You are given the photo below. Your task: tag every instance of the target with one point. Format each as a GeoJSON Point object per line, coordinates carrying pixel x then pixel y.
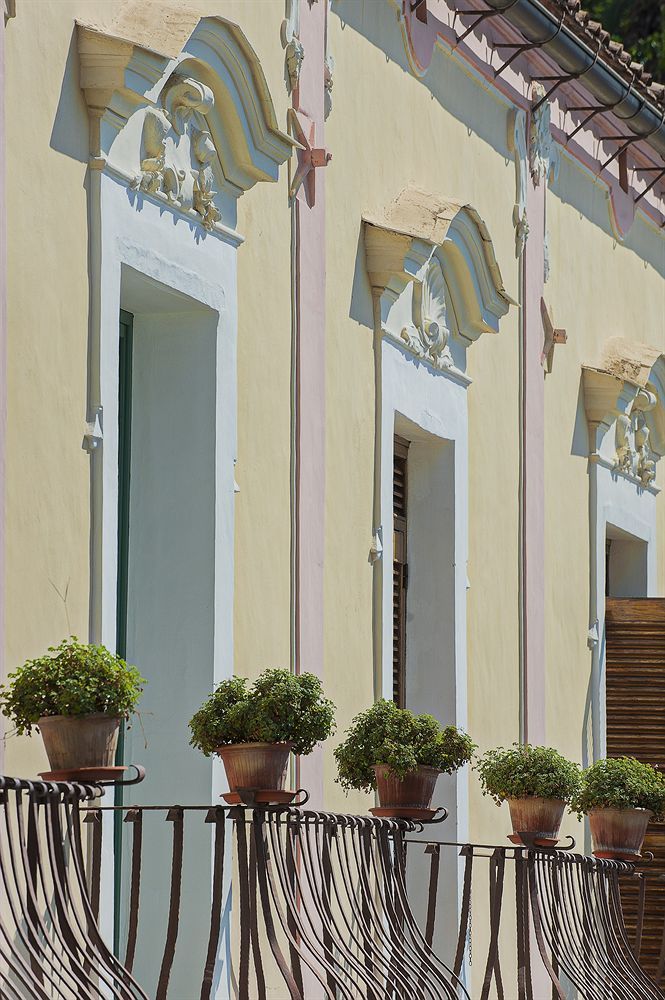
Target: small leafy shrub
{"type": "Point", "coordinates": [621, 783]}
{"type": "Point", "coordinates": [279, 707]}
{"type": "Point", "coordinates": [523, 771]}
{"type": "Point", "coordinates": [386, 734]}
{"type": "Point", "coordinates": [71, 679]}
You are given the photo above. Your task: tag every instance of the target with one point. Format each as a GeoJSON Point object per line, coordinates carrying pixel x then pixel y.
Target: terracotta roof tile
{"type": "Point", "coordinates": [612, 53]}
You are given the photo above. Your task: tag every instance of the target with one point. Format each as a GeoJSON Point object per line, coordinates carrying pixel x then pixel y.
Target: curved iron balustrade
{"type": "Point", "coordinates": [326, 906]}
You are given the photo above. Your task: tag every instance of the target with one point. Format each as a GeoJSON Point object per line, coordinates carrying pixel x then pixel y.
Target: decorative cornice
{"type": "Point", "coordinates": [103, 62]}
{"type": "Point", "coordinates": [627, 389]}
{"type": "Point", "coordinates": [128, 65]}
{"type": "Point", "coordinates": [431, 264]}
{"type": "Point", "coordinates": [400, 241]}
{"type": "Point", "coordinates": [392, 259]}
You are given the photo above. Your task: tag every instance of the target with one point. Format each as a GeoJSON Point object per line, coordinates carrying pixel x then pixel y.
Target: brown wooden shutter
{"type": "Point", "coordinates": [400, 568]}
{"type": "Point", "coordinates": [635, 682]}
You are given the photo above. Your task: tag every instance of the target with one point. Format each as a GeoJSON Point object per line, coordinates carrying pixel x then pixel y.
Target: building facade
{"type": "Point", "coordinates": [445, 235]}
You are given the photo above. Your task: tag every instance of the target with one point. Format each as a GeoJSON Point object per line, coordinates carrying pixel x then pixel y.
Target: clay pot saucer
{"type": "Point", "coordinates": [85, 774]}
{"type": "Point", "coordinates": [404, 812]}
{"type": "Point", "coordinates": [261, 797]}
{"type": "Point", "coordinates": [548, 842]}
{"type": "Point", "coordinates": [618, 855]}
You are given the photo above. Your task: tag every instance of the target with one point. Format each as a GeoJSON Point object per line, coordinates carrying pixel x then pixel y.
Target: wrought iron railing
{"type": "Point", "coordinates": [288, 902]}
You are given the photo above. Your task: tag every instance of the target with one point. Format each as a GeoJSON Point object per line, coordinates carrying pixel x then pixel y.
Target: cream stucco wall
{"type": "Point", "coordinates": [450, 143]}
{"type": "Point", "coordinates": [263, 534]}
{"type": "Point", "coordinates": [47, 505]}
{"type": "Point", "coordinates": [446, 133]}
{"type": "Point", "coordinates": [432, 133]}
{"type": "Point", "coordinates": [48, 479]}
{"type": "Point", "coordinates": [601, 289]}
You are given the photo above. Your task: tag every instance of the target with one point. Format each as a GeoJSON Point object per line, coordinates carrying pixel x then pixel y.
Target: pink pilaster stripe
{"type": "Point", "coordinates": [311, 271]}
{"type": "Point", "coordinates": [533, 470]}
{"type": "Point", "coordinates": [3, 364]}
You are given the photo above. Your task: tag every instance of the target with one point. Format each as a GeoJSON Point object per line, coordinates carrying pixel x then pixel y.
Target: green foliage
{"type": "Point", "coordinates": [72, 679]}
{"type": "Point", "coordinates": [385, 734]}
{"type": "Point", "coordinates": [621, 783]}
{"type": "Point", "coordinates": [639, 25]}
{"type": "Point", "coordinates": [523, 771]}
{"type": "Point", "coordinates": [279, 707]}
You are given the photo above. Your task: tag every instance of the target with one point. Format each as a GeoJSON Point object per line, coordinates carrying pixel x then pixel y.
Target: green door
{"type": "Point", "coordinates": [124, 471]}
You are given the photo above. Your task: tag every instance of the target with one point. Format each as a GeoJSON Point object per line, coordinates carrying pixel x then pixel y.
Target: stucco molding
{"type": "Point", "coordinates": [294, 52]}
{"type": "Point", "coordinates": [624, 398]}
{"type": "Point", "coordinates": [518, 145]}
{"type": "Point", "coordinates": [543, 151]}
{"type": "Point", "coordinates": [128, 67]}
{"type": "Point", "coordinates": [428, 335]}
{"type": "Point", "coordinates": [176, 149]}
{"type": "Point", "coordinates": [437, 254]}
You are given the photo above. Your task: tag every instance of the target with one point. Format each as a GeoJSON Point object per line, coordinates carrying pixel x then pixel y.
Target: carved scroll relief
{"type": "Point", "coordinates": [633, 454]}
{"type": "Point", "coordinates": [294, 52]}
{"type": "Point", "coordinates": [177, 150]}
{"type": "Point", "coordinates": [543, 156]}
{"type": "Point", "coordinates": [427, 337]}
{"type": "Point", "coordinates": [517, 143]}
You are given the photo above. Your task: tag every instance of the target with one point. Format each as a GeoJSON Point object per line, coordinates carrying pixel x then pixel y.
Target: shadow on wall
{"type": "Point", "coordinates": [447, 81]}
{"type": "Point", "coordinates": [579, 444]}
{"type": "Point", "coordinates": [590, 198]}
{"type": "Point", "coordinates": [69, 134]}
{"type": "Point", "coordinates": [461, 96]}
{"type": "Point", "coordinates": [361, 309]}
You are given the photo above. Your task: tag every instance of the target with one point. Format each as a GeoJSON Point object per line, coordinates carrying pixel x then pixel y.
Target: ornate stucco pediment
{"type": "Point", "coordinates": [179, 106]}
{"type": "Point", "coordinates": [177, 149]}
{"type": "Point", "coordinates": [624, 397]}
{"type": "Point", "coordinates": [431, 262]}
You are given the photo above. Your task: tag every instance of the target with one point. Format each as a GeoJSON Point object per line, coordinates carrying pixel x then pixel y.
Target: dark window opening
{"type": "Point", "coordinates": [400, 568]}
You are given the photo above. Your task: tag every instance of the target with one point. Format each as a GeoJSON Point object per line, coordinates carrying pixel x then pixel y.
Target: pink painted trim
{"type": "Point", "coordinates": [533, 469]}
{"type": "Point", "coordinates": [587, 146]}
{"type": "Point", "coordinates": [3, 367]}
{"type": "Point", "coordinates": [310, 384]}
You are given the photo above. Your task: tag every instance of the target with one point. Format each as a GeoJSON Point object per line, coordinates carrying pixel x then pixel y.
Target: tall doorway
{"type": "Point", "coordinates": [165, 589]}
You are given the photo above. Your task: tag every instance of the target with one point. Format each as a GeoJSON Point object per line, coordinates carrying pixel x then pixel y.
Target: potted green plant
{"type": "Point", "coordinates": [400, 755]}
{"type": "Point", "coordinates": [620, 795]}
{"type": "Point", "coordinates": [536, 782]}
{"type": "Point", "coordinates": [76, 695]}
{"type": "Point", "coordinates": [254, 728]}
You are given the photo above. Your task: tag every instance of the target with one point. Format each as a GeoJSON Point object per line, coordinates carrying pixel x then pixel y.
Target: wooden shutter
{"type": "Point", "coordinates": [635, 680]}
{"type": "Point", "coordinates": [400, 568]}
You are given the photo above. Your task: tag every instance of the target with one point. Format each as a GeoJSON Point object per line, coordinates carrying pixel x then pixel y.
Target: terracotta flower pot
{"type": "Point", "coordinates": [256, 765]}
{"type": "Point", "coordinates": [540, 818]}
{"type": "Point", "coordinates": [414, 791]}
{"type": "Point", "coordinates": [74, 742]}
{"type": "Point", "coordinates": [618, 834]}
